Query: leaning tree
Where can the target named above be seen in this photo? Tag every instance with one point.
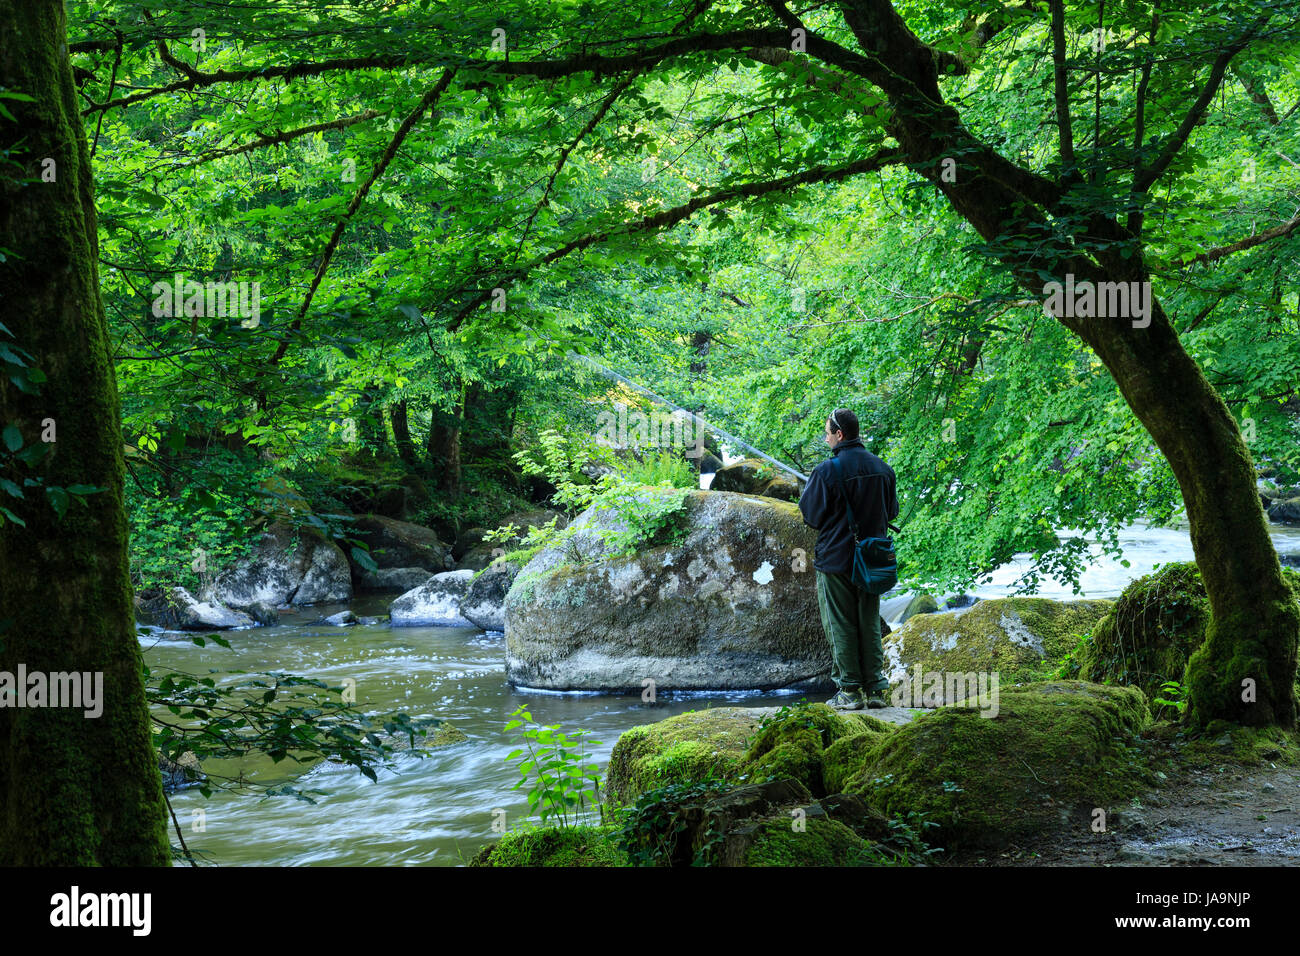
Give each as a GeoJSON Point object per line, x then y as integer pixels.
{"type": "Point", "coordinates": [850, 87]}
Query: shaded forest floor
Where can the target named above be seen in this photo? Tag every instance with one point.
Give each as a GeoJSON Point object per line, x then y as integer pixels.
{"type": "Point", "coordinates": [1204, 815]}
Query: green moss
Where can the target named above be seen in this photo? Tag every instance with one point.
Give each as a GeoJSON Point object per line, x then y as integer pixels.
{"type": "Point", "coordinates": [792, 745]}
{"type": "Point", "coordinates": [1222, 742]}
{"type": "Point", "coordinates": [821, 843]}
{"type": "Point", "coordinates": [687, 748]}
{"type": "Point", "coordinates": [1022, 639]}
{"type": "Point", "coordinates": [1148, 636]}
{"type": "Point", "coordinates": [846, 757]}
{"type": "Point", "coordinates": [555, 846]}
{"type": "Point", "coordinates": [1053, 748]}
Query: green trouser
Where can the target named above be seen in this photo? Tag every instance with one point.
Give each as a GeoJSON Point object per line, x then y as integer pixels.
{"type": "Point", "coordinates": [851, 618]}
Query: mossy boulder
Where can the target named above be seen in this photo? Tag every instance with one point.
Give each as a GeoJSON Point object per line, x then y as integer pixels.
{"type": "Point", "coordinates": [821, 842]}
{"type": "Point", "coordinates": [795, 743]}
{"type": "Point", "coordinates": [1148, 636]}
{"type": "Point", "coordinates": [1054, 751]}
{"type": "Point", "coordinates": [807, 743]}
{"type": "Point", "coordinates": [746, 476]}
{"type": "Point", "coordinates": [1018, 638]}
{"type": "Point", "coordinates": [685, 749]}
{"type": "Point", "coordinates": [720, 598]}
{"type": "Point", "coordinates": [555, 846]}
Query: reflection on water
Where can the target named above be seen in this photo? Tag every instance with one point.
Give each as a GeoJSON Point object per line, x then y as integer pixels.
{"type": "Point", "coordinates": [439, 810]}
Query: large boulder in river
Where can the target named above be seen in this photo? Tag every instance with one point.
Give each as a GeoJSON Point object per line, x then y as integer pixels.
{"type": "Point", "coordinates": [484, 604]}
{"type": "Point", "coordinates": [1014, 637]}
{"type": "Point", "coordinates": [723, 597]}
{"type": "Point", "coordinates": [401, 550]}
{"type": "Point", "coordinates": [436, 603]}
{"type": "Point", "coordinates": [1285, 510]}
{"type": "Point", "coordinates": [179, 610]}
{"type": "Point", "coordinates": [286, 567]}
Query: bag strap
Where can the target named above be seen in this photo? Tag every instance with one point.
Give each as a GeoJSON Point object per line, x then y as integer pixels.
{"type": "Point", "coordinates": [844, 490]}
{"type": "Point", "coordinates": [848, 508]}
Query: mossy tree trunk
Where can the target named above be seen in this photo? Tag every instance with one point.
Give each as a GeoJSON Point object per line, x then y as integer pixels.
{"type": "Point", "coordinates": [1245, 671]}
{"type": "Point", "coordinates": [402, 433]}
{"type": "Point", "coordinates": [74, 790]}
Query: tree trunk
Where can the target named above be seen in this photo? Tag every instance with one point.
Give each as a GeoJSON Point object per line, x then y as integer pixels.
{"type": "Point", "coordinates": [74, 790]}
{"type": "Point", "coordinates": [1245, 670]}
{"type": "Point", "coordinates": [444, 447]}
{"type": "Point", "coordinates": [402, 434]}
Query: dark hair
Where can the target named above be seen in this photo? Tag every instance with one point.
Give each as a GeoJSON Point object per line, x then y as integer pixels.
{"type": "Point", "coordinates": [843, 420]}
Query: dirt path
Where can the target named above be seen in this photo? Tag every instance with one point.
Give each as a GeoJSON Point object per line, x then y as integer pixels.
{"type": "Point", "coordinates": [1229, 816]}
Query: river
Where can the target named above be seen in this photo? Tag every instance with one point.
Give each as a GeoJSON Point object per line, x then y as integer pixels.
{"type": "Point", "coordinates": [440, 809]}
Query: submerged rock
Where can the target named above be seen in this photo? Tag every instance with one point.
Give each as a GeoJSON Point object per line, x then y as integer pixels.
{"type": "Point", "coordinates": [264, 614]}
{"type": "Point", "coordinates": [287, 567]}
{"type": "Point", "coordinates": [180, 774]}
{"type": "Point", "coordinates": [1012, 637]}
{"type": "Point", "coordinates": [178, 610]}
{"type": "Point", "coordinates": [732, 606]}
{"type": "Point", "coordinates": [484, 604]}
{"type": "Point", "coordinates": [436, 603]}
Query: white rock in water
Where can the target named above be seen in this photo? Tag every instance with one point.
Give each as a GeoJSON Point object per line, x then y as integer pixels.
{"type": "Point", "coordinates": [178, 610]}
{"type": "Point", "coordinates": [435, 603]}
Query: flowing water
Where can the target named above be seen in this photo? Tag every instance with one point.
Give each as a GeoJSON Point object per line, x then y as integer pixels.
{"type": "Point", "coordinates": [440, 809]}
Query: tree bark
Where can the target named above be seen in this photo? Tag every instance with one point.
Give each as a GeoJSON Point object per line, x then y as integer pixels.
{"type": "Point", "coordinates": [402, 434]}
{"type": "Point", "coordinates": [74, 790]}
{"type": "Point", "coordinates": [443, 446]}
{"type": "Point", "coordinates": [1245, 670]}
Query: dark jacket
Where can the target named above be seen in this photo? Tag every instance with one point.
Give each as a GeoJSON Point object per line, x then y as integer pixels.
{"type": "Point", "coordinates": [870, 482]}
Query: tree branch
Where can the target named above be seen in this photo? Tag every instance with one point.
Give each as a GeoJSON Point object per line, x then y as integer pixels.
{"type": "Point", "coordinates": [285, 137]}
{"type": "Point", "coordinates": [426, 102]}
{"type": "Point", "coordinates": [1277, 232]}
{"type": "Point", "coordinates": [636, 61]}
{"type": "Point", "coordinates": [1146, 178]}
{"type": "Point", "coordinates": [670, 217]}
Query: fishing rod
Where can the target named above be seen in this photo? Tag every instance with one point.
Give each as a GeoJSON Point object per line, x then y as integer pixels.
{"type": "Point", "coordinates": [696, 419]}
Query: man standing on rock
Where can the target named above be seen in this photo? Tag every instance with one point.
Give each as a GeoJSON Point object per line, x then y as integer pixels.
{"type": "Point", "coordinates": [849, 614]}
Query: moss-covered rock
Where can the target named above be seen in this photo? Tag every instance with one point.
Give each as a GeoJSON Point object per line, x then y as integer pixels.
{"type": "Point", "coordinates": [1020, 639]}
{"type": "Point", "coordinates": [1149, 635]}
{"type": "Point", "coordinates": [727, 603]}
{"type": "Point", "coordinates": [555, 846]}
{"type": "Point", "coordinates": [685, 749]}
{"type": "Point", "coordinates": [794, 743]}
{"type": "Point", "coordinates": [821, 842]}
{"type": "Point", "coordinates": [1052, 749]}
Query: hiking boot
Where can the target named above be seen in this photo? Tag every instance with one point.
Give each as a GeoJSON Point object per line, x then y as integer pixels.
{"type": "Point", "coordinates": [846, 700]}
{"type": "Point", "coordinates": [874, 700]}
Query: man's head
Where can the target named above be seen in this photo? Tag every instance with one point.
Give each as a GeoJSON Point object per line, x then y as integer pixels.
{"type": "Point", "coordinates": [842, 425]}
